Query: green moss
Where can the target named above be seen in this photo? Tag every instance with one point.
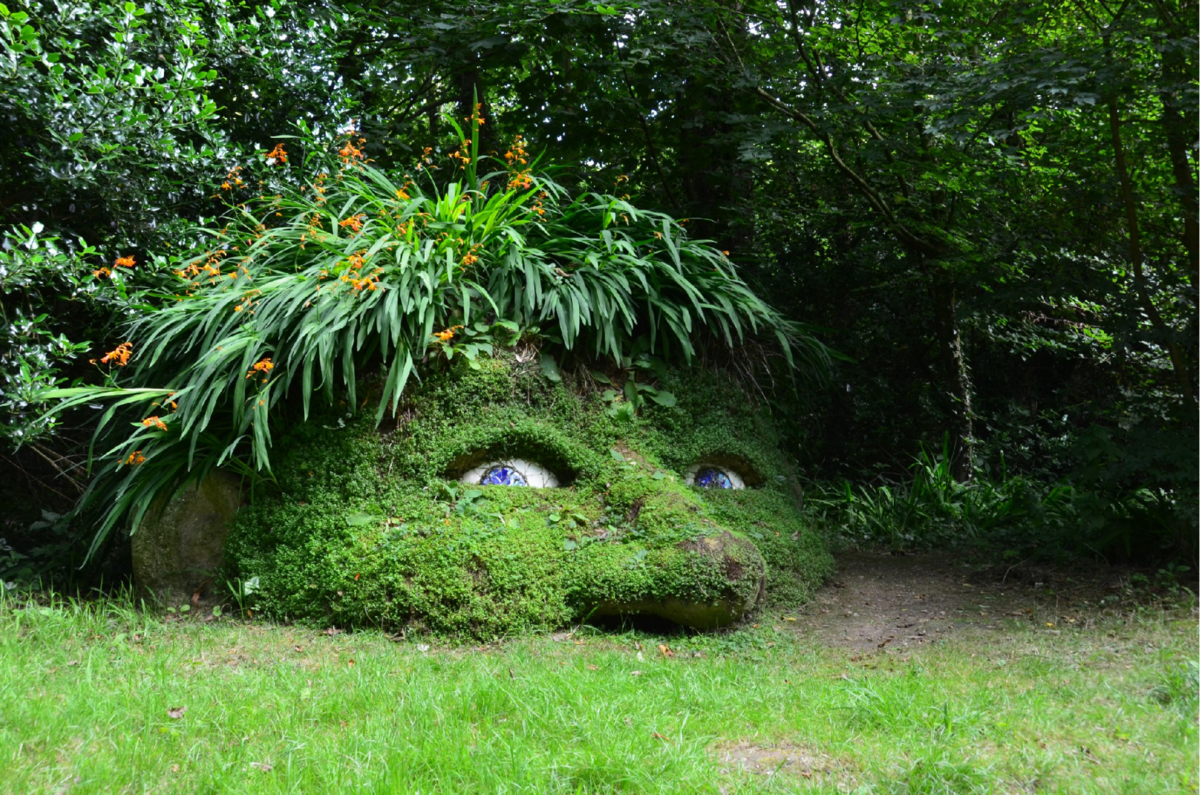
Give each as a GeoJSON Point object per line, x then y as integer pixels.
{"type": "Point", "coordinates": [371, 526]}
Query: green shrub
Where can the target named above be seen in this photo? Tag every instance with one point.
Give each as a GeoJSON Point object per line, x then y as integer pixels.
{"type": "Point", "coordinates": [341, 271]}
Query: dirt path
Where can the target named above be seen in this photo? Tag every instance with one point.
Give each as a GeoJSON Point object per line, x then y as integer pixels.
{"type": "Point", "coordinates": [879, 600]}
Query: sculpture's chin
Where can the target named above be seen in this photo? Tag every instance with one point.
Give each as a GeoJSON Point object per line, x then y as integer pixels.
{"type": "Point", "coordinates": [697, 615]}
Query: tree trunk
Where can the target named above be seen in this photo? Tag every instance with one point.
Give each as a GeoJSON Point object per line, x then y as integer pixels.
{"type": "Point", "coordinates": [1177, 131]}
{"type": "Point", "coordinates": [470, 93]}
{"type": "Point", "coordinates": [956, 376]}
{"type": "Point", "coordinates": [1178, 357]}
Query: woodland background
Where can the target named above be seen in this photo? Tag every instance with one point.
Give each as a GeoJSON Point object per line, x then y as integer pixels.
{"type": "Point", "coordinates": [987, 207]}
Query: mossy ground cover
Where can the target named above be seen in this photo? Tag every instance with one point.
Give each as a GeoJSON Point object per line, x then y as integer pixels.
{"type": "Point", "coordinates": [98, 697]}
{"type": "Point", "coordinates": [370, 527]}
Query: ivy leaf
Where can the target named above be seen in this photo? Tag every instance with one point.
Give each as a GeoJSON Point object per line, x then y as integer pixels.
{"type": "Point", "coordinates": [550, 368]}
{"type": "Point", "coordinates": [662, 398]}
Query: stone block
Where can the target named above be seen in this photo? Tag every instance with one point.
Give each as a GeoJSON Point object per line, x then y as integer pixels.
{"type": "Point", "coordinates": [180, 544]}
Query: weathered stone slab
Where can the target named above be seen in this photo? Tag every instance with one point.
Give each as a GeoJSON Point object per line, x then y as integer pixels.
{"type": "Point", "coordinates": [179, 545]}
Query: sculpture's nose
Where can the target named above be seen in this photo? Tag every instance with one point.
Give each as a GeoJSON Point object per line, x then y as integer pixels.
{"type": "Point", "coordinates": [705, 582]}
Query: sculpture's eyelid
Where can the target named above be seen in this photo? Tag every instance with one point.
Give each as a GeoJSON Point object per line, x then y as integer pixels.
{"type": "Point", "coordinates": [511, 472]}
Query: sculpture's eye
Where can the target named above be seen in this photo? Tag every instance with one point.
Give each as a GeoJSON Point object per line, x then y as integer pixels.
{"type": "Point", "coordinates": [515, 472]}
{"type": "Point", "coordinates": [712, 476]}
{"type": "Point", "coordinates": [503, 476]}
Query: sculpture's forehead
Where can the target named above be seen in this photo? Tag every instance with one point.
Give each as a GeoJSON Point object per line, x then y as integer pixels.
{"type": "Point", "coordinates": [463, 418]}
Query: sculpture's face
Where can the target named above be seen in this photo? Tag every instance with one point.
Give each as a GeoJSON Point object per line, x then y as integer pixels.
{"type": "Point", "coordinates": [501, 501]}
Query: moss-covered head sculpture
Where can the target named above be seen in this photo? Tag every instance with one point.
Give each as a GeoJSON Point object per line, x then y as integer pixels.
{"type": "Point", "coordinates": [449, 298]}
{"type": "Point", "coordinates": [502, 501]}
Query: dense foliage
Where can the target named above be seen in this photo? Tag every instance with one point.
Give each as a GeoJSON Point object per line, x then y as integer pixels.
{"type": "Point", "coordinates": [302, 287]}
{"type": "Point", "coordinates": [989, 207]}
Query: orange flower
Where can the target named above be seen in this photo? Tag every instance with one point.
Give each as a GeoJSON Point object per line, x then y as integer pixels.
{"type": "Point", "coordinates": [264, 366]}
{"type": "Point", "coordinates": [354, 222]}
{"type": "Point", "coordinates": [447, 335]}
{"type": "Point", "coordinates": [350, 152]}
{"type": "Point", "coordinates": [463, 155]}
{"type": "Point", "coordinates": [278, 154]}
{"type": "Point", "coordinates": [366, 283]}
{"type": "Point", "coordinates": [102, 272]}
{"type": "Point", "coordinates": [156, 422]}
{"type": "Point", "coordinates": [476, 116]}
{"type": "Point", "coordinates": [124, 262]}
{"type": "Point", "coordinates": [134, 459]}
{"type": "Point", "coordinates": [120, 356]}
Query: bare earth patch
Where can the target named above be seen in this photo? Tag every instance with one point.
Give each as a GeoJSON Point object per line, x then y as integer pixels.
{"type": "Point", "coordinates": [880, 600]}
{"type": "Point", "coordinates": [785, 759]}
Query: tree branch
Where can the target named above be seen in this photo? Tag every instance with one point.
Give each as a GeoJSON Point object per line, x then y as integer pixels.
{"type": "Point", "coordinates": [930, 248]}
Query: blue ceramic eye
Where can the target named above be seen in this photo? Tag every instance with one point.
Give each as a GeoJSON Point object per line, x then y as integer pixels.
{"type": "Point", "coordinates": [502, 476]}
{"type": "Point", "coordinates": [713, 478]}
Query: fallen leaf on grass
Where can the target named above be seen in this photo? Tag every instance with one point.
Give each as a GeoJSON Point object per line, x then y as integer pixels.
{"type": "Point", "coordinates": [332, 631]}
{"type": "Point", "coordinates": [176, 713]}
{"type": "Point", "coordinates": [263, 766]}
{"type": "Point", "coordinates": [662, 737]}
{"type": "Point", "coordinates": [666, 650]}
{"type": "Point", "coordinates": [593, 667]}
{"type": "Point", "coordinates": [635, 673]}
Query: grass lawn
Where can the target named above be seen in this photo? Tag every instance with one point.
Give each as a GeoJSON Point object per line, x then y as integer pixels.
{"type": "Point", "coordinates": [97, 697]}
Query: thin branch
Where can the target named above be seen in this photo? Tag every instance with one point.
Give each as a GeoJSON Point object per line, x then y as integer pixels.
{"type": "Point", "coordinates": [877, 202]}
{"type": "Point", "coordinates": [649, 138]}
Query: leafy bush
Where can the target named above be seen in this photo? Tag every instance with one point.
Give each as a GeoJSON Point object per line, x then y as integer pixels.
{"type": "Point", "coordinates": [33, 269]}
{"type": "Point", "coordinates": [311, 280]}
{"type": "Point", "coordinates": [1014, 515]}
{"type": "Point", "coordinates": [929, 508]}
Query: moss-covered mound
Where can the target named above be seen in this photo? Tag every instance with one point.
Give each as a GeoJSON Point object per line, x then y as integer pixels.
{"type": "Point", "coordinates": [374, 527]}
